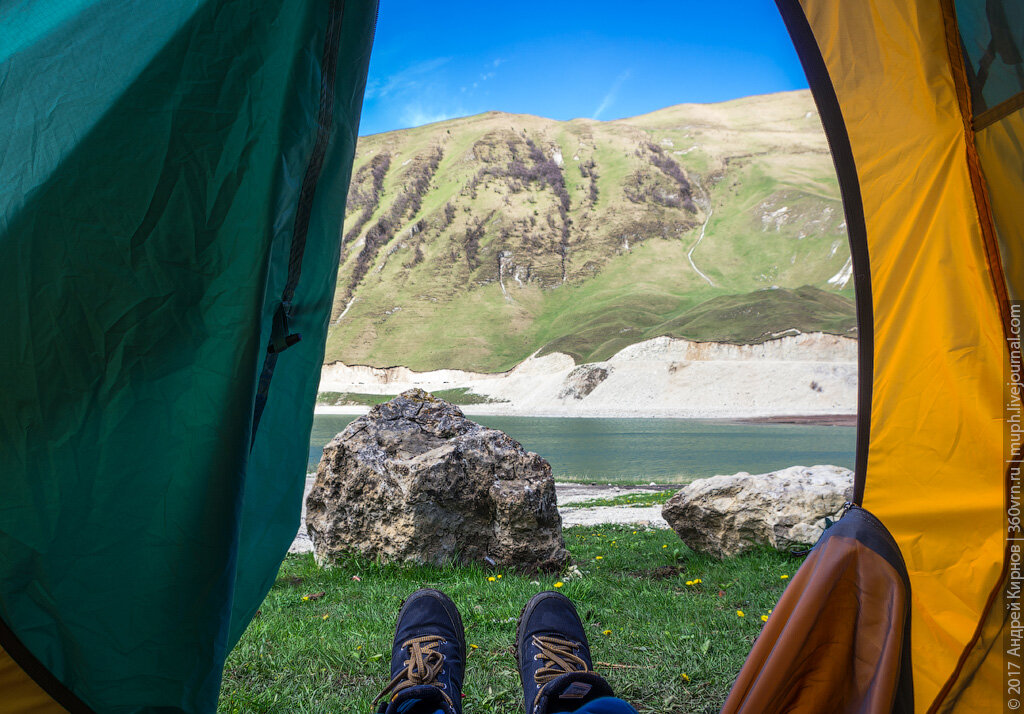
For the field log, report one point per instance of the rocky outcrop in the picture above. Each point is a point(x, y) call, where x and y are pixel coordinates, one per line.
point(415, 481)
point(728, 515)
point(582, 381)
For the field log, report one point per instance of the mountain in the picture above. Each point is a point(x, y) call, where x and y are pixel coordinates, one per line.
point(476, 242)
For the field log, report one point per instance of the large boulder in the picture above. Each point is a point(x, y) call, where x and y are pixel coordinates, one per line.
point(416, 481)
point(728, 515)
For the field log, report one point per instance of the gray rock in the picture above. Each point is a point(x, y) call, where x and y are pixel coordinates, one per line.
point(728, 515)
point(415, 481)
point(582, 381)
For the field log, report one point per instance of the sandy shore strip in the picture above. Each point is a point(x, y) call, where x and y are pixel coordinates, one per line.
point(811, 419)
point(567, 494)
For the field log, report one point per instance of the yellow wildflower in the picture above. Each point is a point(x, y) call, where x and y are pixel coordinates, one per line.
point(499, 576)
point(599, 557)
point(783, 577)
point(664, 546)
point(685, 676)
point(490, 579)
point(474, 647)
point(739, 613)
point(305, 598)
point(559, 584)
point(607, 632)
point(764, 618)
point(326, 615)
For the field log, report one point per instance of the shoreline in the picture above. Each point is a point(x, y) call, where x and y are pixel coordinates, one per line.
point(815, 419)
point(843, 419)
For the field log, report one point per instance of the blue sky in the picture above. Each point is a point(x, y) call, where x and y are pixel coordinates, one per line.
point(564, 59)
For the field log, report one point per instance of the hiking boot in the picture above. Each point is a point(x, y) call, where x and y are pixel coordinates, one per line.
point(428, 657)
point(554, 657)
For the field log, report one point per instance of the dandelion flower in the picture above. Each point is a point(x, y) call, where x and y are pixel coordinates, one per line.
point(664, 546)
point(491, 579)
point(326, 615)
point(499, 576)
point(474, 647)
point(783, 577)
point(740, 613)
point(685, 676)
point(634, 532)
point(559, 584)
point(359, 647)
point(599, 557)
point(305, 598)
point(607, 632)
point(689, 582)
point(764, 618)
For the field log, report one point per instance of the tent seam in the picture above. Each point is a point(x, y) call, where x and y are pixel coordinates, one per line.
point(993, 261)
point(1000, 111)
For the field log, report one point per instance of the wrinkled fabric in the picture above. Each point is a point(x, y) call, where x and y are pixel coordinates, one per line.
point(151, 169)
point(935, 468)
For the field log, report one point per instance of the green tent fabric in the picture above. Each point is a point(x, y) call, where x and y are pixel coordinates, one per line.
point(160, 166)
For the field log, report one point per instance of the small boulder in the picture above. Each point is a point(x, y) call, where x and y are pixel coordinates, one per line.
point(729, 515)
point(582, 381)
point(416, 481)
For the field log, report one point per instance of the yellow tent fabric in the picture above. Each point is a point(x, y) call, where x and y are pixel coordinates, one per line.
point(935, 320)
point(21, 693)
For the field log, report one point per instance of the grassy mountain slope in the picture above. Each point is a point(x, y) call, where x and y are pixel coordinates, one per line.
point(475, 242)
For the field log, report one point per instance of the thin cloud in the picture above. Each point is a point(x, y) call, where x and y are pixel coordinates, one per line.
point(609, 98)
point(417, 115)
point(408, 79)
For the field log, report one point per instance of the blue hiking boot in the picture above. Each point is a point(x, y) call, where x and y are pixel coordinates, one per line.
point(428, 658)
point(554, 657)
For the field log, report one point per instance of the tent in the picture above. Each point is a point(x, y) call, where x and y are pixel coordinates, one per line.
point(923, 106)
point(173, 183)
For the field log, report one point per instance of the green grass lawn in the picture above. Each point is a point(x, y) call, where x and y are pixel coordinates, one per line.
point(634, 500)
point(664, 645)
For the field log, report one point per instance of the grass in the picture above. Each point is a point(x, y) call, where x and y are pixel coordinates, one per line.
point(351, 399)
point(636, 500)
point(460, 395)
point(331, 654)
point(777, 221)
point(463, 395)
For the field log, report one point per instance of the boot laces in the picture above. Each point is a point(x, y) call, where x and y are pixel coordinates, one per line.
point(558, 658)
point(422, 667)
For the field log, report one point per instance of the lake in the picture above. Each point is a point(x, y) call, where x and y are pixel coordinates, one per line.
point(645, 450)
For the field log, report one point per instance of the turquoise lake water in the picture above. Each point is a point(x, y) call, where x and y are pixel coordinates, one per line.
point(645, 450)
